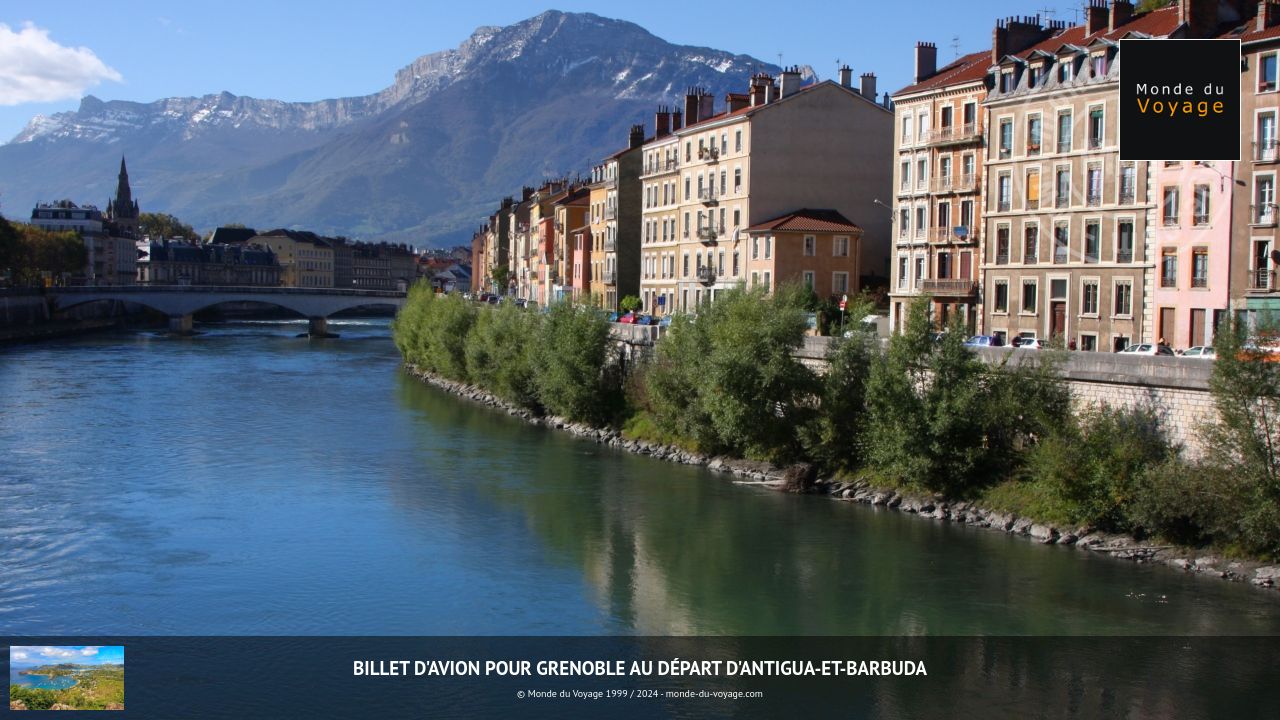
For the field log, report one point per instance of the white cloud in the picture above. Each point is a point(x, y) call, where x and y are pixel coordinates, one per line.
point(16, 654)
point(34, 68)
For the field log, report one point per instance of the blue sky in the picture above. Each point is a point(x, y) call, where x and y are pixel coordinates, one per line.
point(24, 655)
point(51, 54)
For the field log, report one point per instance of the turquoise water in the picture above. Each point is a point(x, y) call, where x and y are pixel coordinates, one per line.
point(246, 481)
point(45, 682)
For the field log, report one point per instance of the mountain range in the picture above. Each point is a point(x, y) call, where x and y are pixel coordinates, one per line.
point(421, 161)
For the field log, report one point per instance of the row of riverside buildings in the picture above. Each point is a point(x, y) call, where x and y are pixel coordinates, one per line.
point(119, 254)
point(1014, 211)
point(992, 184)
point(776, 183)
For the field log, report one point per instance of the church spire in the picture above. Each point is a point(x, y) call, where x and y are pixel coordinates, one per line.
point(123, 209)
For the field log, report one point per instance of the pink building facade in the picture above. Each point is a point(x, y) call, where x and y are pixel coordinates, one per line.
point(1191, 250)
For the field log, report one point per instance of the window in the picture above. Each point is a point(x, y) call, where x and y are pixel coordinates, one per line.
point(737, 180)
point(1093, 185)
point(1267, 72)
point(1029, 290)
point(1099, 63)
point(1064, 132)
point(1062, 194)
point(1033, 75)
point(1128, 183)
point(1006, 81)
point(906, 129)
point(1031, 244)
point(768, 247)
point(808, 279)
point(1124, 241)
point(1004, 190)
point(1064, 71)
point(1124, 298)
point(840, 246)
point(1002, 296)
point(1265, 200)
point(944, 170)
point(904, 222)
point(944, 266)
point(1088, 342)
point(1089, 297)
point(1096, 132)
point(766, 281)
point(1002, 245)
point(902, 272)
point(686, 264)
point(1006, 138)
point(1032, 200)
point(810, 245)
point(970, 116)
point(737, 217)
point(1170, 206)
point(1168, 268)
point(735, 263)
point(966, 215)
point(922, 173)
point(1200, 268)
point(919, 269)
point(1033, 135)
point(686, 187)
point(737, 141)
point(944, 217)
point(1202, 205)
point(922, 221)
point(905, 182)
point(1092, 240)
point(839, 283)
point(1061, 243)
point(1265, 138)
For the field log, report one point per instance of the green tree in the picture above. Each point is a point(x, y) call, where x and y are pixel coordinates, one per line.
point(630, 303)
point(569, 364)
point(499, 351)
point(163, 225)
point(837, 436)
point(446, 322)
point(501, 276)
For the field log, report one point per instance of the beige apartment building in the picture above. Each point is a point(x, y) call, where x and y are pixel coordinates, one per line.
point(305, 259)
point(937, 179)
point(774, 150)
point(820, 248)
point(594, 274)
point(1069, 241)
point(1255, 288)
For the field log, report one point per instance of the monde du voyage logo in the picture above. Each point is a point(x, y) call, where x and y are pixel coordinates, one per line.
point(1180, 100)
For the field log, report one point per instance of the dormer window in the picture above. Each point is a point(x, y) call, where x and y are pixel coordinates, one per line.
point(1034, 73)
point(1064, 70)
point(1099, 62)
point(1006, 81)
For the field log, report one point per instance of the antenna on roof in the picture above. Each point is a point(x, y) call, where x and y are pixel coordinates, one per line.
point(780, 59)
point(955, 45)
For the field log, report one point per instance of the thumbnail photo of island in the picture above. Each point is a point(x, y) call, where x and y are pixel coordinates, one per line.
point(67, 677)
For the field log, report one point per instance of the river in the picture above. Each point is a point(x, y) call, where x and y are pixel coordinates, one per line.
point(249, 482)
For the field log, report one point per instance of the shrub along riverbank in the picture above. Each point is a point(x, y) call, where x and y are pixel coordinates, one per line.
point(921, 416)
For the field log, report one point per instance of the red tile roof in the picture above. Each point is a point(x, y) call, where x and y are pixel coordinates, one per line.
point(807, 220)
point(966, 69)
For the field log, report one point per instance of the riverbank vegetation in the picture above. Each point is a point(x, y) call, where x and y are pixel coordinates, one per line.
point(923, 415)
point(29, 253)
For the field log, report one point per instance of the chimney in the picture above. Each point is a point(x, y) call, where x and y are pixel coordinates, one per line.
point(1200, 17)
point(1121, 11)
point(770, 92)
point(677, 120)
point(526, 193)
point(790, 81)
point(662, 122)
point(846, 76)
point(636, 139)
point(926, 60)
point(1268, 14)
point(1015, 34)
point(868, 88)
point(691, 106)
point(1095, 16)
point(706, 104)
point(759, 82)
point(735, 101)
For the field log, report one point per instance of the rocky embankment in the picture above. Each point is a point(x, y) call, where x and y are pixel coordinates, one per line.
point(802, 478)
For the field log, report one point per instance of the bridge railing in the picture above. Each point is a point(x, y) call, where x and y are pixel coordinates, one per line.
point(236, 289)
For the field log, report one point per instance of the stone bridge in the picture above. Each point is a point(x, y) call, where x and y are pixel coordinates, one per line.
point(180, 302)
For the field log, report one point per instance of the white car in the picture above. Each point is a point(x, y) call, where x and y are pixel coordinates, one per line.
point(1205, 352)
point(1029, 343)
point(1147, 349)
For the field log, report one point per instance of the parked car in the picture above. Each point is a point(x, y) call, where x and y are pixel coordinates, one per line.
point(664, 321)
point(614, 317)
point(628, 319)
point(1205, 352)
point(1026, 343)
point(645, 320)
point(984, 341)
point(494, 299)
point(1148, 349)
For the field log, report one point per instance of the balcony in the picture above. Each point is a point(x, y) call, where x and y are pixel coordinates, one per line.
point(953, 135)
point(1095, 143)
point(951, 288)
point(1061, 201)
point(1126, 196)
point(1064, 146)
point(706, 274)
point(1124, 255)
point(609, 277)
point(709, 233)
point(1263, 214)
point(1199, 219)
point(1060, 256)
point(1030, 256)
point(1265, 152)
point(1032, 203)
point(1093, 200)
point(708, 196)
point(661, 166)
point(948, 235)
point(1002, 258)
point(710, 154)
point(1261, 280)
point(1199, 281)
